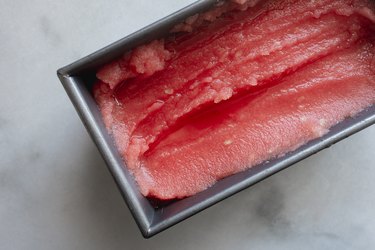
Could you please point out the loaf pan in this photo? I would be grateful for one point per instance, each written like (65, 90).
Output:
(78, 79)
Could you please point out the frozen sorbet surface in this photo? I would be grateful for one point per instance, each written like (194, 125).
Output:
(241, 84)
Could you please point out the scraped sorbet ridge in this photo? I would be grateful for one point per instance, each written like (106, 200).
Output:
(236, 86)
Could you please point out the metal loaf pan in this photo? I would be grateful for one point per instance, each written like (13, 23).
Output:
(78, 78)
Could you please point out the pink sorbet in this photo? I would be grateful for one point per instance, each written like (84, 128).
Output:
(244, 83)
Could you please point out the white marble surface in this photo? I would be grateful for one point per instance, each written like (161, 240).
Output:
(55, 190)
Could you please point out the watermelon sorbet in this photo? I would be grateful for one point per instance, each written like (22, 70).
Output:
(228, 89)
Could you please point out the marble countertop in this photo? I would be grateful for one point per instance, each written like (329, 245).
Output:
(56, 192)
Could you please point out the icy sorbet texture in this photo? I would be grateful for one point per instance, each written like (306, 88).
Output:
(233, 87)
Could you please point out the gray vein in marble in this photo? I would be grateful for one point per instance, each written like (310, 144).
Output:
(49, 32)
